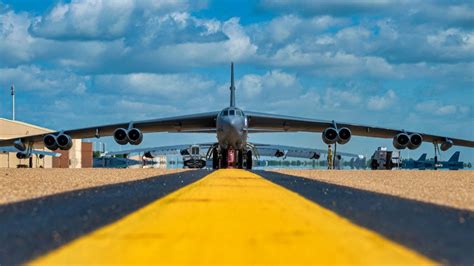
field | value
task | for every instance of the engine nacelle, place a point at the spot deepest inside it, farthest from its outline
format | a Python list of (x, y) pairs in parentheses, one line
[(135, 136), (279, 153), (401, 141), (446, 145), (19, 145), (50, 142), (64, 141), (315, 156), (330, 135), (415, 141), (121, 136), (21, 155), (344, 135)]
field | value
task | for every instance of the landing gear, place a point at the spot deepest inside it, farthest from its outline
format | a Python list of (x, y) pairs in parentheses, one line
[(215, 158), (240, 159), (248, 160), (223, 160)]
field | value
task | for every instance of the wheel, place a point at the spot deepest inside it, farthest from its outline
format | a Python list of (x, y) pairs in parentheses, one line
[(374, 165), (215, 159), (248, 160), (223, 161), (240, 159)]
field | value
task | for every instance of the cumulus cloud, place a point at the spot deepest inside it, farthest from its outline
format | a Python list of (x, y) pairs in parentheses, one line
[(441, 109), (162, 86), (273, 84), (386, 101), (100, 19), (36, 79)]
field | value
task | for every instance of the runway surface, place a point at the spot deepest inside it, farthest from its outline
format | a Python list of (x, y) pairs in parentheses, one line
[(232, 216)]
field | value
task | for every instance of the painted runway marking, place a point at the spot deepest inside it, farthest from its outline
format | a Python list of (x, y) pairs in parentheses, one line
[(232, 216)]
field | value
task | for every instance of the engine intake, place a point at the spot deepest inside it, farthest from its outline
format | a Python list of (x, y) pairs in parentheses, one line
[(64, 141), (121, 136), (344, 135), (446, 145), (415, 141), (330, 135), (401, 141), (135, 136), (50, 142), (22, 155)]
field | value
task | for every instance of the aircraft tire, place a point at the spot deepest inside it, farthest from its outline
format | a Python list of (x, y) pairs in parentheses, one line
[(223, 161), (240, 159), (248, 160), (215, 159)]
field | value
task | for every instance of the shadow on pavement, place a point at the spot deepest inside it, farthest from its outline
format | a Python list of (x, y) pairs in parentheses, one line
[(441, 233), (33, 227)]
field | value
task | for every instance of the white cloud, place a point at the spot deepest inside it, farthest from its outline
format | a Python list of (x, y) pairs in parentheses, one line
[(100, 19), (160, 86), (271, 85), (33, 78), (437, 108), (386, 101)]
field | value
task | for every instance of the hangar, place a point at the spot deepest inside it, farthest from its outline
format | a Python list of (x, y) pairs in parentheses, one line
[(79, 156)]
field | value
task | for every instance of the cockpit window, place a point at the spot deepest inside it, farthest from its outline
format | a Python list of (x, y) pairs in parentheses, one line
[(225, 113), (238, 113), (231, 112)]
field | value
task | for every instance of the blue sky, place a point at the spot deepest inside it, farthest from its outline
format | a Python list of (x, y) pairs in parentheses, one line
[(399, 64)]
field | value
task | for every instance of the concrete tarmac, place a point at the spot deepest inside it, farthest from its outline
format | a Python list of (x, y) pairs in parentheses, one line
[(232, 216)]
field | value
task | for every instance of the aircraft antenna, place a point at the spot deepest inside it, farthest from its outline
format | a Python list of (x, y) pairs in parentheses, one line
[(232, 87)]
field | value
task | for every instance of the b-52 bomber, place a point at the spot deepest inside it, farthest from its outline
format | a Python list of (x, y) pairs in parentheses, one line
[(232, 126)]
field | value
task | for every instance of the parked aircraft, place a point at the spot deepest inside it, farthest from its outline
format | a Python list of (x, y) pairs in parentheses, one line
[(452, 164), (193, 157), (232, 126)]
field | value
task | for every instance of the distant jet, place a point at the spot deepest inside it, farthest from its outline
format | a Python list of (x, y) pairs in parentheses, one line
[(232, 127), (452, 164)]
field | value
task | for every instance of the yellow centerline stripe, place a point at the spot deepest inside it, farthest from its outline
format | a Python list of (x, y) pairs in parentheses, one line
[(232, 216)]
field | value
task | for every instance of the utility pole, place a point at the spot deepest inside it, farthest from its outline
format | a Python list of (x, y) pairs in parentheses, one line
[(13, 101)]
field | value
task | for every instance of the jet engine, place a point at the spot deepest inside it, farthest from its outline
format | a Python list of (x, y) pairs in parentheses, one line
[(344, 135), (135, 136), (50, 142), (22, 155), (19, 145), (121, 136), (401, 141), (415, 141), (64, 141), (446, 145), (330, 135), (279, 153)]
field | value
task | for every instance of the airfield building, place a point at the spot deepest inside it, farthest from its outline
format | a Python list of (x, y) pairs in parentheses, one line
[(79, 156)]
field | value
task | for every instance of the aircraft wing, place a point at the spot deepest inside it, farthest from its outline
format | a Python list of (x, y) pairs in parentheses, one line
[(296, 152), (262, 122), (187, 123), (38, 152)]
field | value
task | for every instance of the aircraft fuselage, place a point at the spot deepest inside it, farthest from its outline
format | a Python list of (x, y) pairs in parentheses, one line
[(232, 128)]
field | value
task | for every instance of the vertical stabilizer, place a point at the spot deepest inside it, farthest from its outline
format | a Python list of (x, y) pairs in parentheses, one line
[(455, 157), (422, 157), (232, 87)]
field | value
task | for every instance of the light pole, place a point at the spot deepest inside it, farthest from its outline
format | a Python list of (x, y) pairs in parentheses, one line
[(13, 101)]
